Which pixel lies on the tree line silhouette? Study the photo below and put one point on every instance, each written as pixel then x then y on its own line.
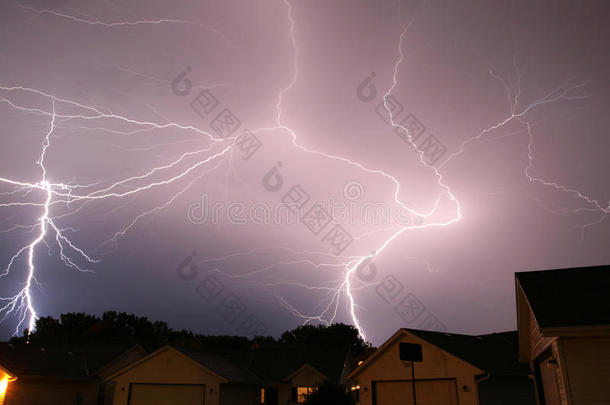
pixel 121 327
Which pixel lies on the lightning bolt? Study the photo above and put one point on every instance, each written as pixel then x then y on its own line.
pixel 60 194
pixel 351 266
pixel 105 24
pixel 22 301
pixel 563 92
pixel 98 22
pixel 193 165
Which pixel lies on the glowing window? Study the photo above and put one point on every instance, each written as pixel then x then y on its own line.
pixel 302 393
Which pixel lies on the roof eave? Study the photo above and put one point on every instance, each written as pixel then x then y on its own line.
pixel 523 309
pixel 155 353
pixel 298 370
pixel 574 331
pixel 7 372
pixel 395 336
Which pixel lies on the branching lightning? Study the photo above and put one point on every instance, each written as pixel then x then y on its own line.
pixel 105 24
pixel 192 165
pixel 65 194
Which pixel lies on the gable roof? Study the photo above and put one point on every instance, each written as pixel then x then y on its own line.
pixel 33 360
pixel 158 352
pixel 127 357
pixel 107 360
pixel 302 368
pixel 231 370
pixel 574 297
pixel 275 364
pixel 496 353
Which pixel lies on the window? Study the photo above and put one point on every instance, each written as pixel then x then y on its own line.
pixel 262 395
pixel 355 389
pixel 302 392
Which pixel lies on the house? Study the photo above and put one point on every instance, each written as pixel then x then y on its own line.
pixel 101 374
pixel 182 377
pixel 290 373
pixel 271 376
pixel 454 369
pixel 563 321
pixel 5 378
pixel 40 375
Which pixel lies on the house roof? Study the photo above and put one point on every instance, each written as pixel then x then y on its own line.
pixel 251 366
pixel 229 369
pixel 278 363
pixel 301 369
pixel 272 364
pixel 129 356
pixel 33 360
pixel 258 366
pixel 156 353
pixel 75 362
pixel 573 297
pixel 495 353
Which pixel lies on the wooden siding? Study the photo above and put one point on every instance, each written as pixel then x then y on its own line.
pixel 437 364
pixel 587 363
pixel 538 343
pixel 166 366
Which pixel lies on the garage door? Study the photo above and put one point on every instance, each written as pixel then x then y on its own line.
pixel 429 392
pixel 166 394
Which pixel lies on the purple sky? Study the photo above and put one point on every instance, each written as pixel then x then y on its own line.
pixel 180 129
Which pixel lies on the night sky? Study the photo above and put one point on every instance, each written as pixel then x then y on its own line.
pixel 244 167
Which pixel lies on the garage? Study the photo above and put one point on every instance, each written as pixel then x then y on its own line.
pixel 429 392
pixel 166 394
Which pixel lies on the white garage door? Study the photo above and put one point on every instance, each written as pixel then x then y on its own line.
pixel 166 394
pixel 429 392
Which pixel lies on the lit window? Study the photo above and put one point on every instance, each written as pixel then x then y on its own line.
pixel 302 393
pixel 262 395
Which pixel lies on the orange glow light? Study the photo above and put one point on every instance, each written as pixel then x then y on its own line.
pixel 3 387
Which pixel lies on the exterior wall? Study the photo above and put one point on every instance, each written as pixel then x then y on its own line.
pixel 49 391
pixel 437 364
pixel 561 375
pixel 538 345
pixel 306 377
pixel 587 368
pixel 167 367
pixel 507 391
pixel 231 394
pixel 558 372
pixel 284 395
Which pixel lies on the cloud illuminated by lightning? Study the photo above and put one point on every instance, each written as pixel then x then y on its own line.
pixel 21 304
pixel 206 159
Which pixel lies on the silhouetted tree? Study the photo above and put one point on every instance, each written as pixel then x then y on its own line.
pixel 112 326
pixel 336 335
